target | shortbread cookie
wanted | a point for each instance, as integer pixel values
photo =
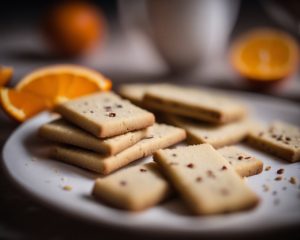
(134, 92)
(205, 180)
(135, 188)
(63, 131)
(194, 103)
(162, 136)
(218, 135)
(242, 163)
(280, 139)
(105, 114)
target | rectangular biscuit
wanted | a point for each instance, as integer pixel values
(162, 136)
(194, 103)
(242, 163)
(135, 188)
(280, 139)
(205, 180)
(134, 92)
(105, 114)
(62, 131)
(218, 135)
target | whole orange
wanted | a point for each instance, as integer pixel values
(74, 27)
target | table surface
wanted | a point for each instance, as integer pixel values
(125, 59)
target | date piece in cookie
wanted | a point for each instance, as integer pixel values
(62, 131)
(105, 114)
(135, 189)
(243, 163)
(162, 136)
(280, 139)
(194, 103)
(205, 180)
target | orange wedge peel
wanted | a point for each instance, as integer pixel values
(21, 105)
(6, 73)
(265, 54)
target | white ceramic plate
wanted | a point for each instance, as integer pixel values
(41, 181)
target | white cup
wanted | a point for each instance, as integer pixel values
(185, 32)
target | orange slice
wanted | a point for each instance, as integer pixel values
(265, 54)
(59, 83)
(21, 105)
(6, 73)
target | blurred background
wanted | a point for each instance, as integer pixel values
(152, 41)
(241, 45)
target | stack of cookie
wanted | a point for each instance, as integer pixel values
(208, 180)
(103, 132)
(207, 118)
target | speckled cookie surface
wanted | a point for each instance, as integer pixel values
(62, 131)
(105, 114)
(162, 136)
(218, 135)
(194, 103)
(243, 163)
(205, 180)
(135, 188)
(280, 139)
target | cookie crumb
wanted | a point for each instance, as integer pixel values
(268, 168)
(26, 164)
(294, 180)
(280, 138)
(67, 188)
(278, 178)
(63, 179)
(266, 187)
(280, 171)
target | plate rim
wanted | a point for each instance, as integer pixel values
(93, 220)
